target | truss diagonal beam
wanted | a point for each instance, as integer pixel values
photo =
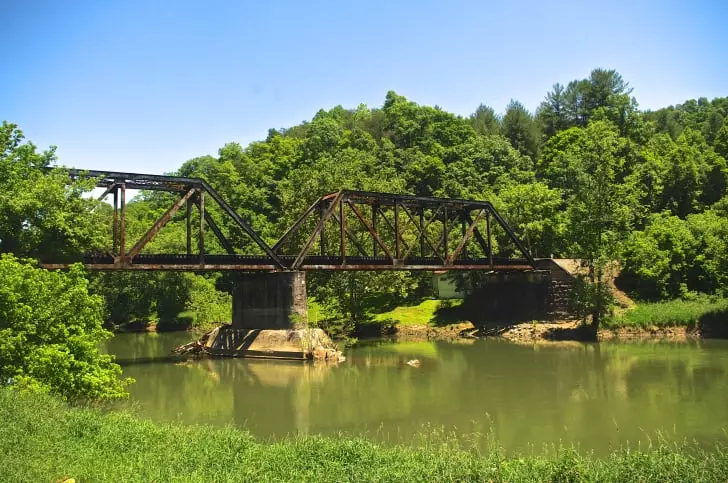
(329, 211)
(158, 225)
(466, 237)
(370, 229)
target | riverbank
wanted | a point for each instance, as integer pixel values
(702, 317)
(42, 439)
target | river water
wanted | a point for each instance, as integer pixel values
(596, 396)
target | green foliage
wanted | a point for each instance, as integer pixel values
(672, 256)
(519, 127)
(49, 330)
(57, 442)
(40, 214)
(685, 313)
(209, 306)
(535, 212)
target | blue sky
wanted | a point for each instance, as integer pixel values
(145, 85)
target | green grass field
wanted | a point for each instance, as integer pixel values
(42, 439)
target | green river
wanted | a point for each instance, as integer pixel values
(596, 396)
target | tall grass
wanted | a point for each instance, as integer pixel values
(42, 439)
(686, 313)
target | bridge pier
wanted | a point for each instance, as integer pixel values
(270, 320)
(270, 301)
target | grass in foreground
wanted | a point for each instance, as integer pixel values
(42, 439)
(685, 313)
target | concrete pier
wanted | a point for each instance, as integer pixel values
(270, 320)
(270, 301)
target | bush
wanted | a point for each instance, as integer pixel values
(207, 305)
(49, 331)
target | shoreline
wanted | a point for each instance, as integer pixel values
(548, 332)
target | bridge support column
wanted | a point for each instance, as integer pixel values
(270, 301)
(270, 320)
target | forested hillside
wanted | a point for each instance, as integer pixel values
(588, 175)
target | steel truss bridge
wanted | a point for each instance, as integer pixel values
(345, 230)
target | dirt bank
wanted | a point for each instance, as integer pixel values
(542, 332)
(426, 332)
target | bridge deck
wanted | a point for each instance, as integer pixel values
(263, 263)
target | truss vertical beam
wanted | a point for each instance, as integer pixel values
(115, 228)
(374, 231)
(122, 224)
(188, 231)
(490, 240)
(342, 223)
(201, 240)
(396, 231)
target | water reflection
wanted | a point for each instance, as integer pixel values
(594, 395)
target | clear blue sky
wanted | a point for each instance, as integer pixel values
(145, 85)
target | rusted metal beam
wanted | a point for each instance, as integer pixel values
(342, 224)
(423, 231)
(375, 228)
(371, 231)
(112, 187)
(293, 228)
(158, 225)
(466, 236)
(218, 233)
(490, 242)
(513, 237)
(445, 233)
(122, 224)
(322, 238)
(201, 240)
(210, 267)
(351, 235)
(246, 228)
(478, 235)
(396, 231)
(391, 226)
(115, 227)
(299, 259)
(188, 232)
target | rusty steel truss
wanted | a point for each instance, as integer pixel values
(345, 230)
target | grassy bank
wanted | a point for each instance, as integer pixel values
(685, 313)
(43, 440)
(427, 312)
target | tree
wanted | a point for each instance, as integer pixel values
(535, 212)
(41, 214)
(551, 114)
(519, 127)
(656, 261)
(485, 121)
(49, 331)
(600, 210)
